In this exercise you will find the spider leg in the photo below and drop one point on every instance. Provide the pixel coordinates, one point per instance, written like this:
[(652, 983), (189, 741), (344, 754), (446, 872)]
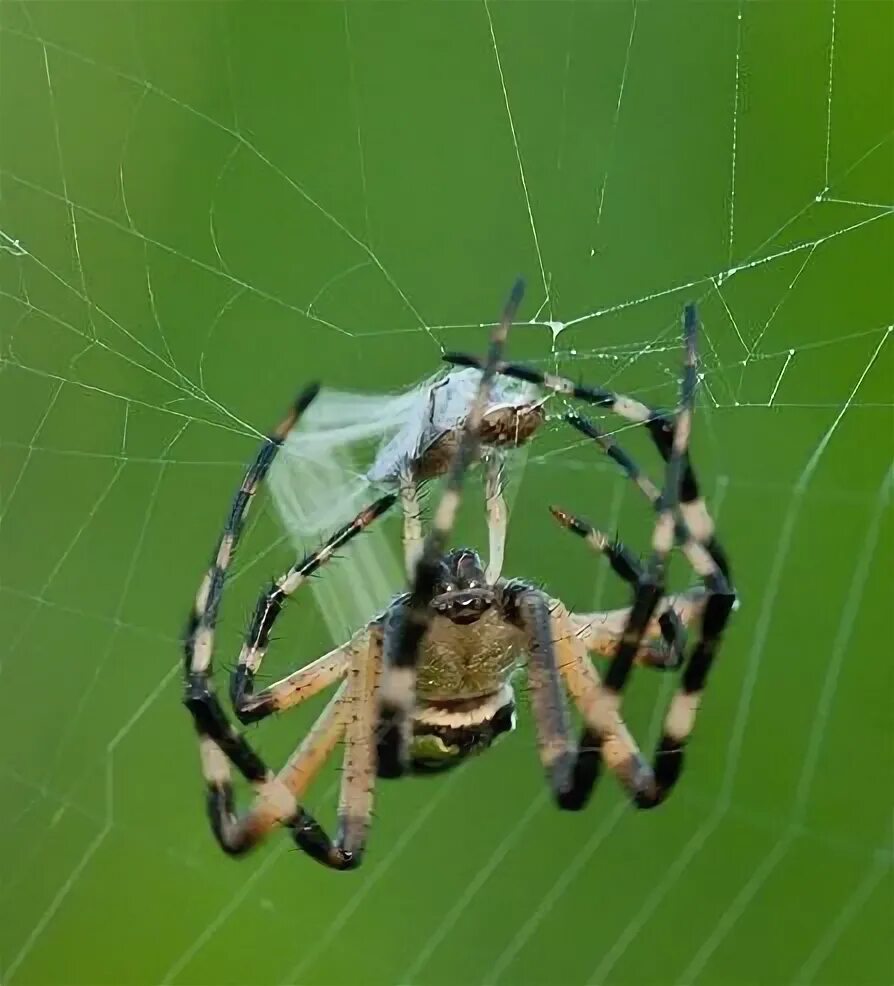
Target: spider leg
[(358, 777), (627, 407), (345, 716), (497, 512), (278, 802), (696, 529), (220, 744), (555, 743), (649, 579), (600, 632), (411, 509), (401, 645), (649, 587), (294, 689), (557, 656), (357, 718), (629, 568), (309, 680), (616, 748), (682, 519)]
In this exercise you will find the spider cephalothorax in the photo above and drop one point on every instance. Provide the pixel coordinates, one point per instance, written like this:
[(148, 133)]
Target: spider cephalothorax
[(462, 593), (428, 682)]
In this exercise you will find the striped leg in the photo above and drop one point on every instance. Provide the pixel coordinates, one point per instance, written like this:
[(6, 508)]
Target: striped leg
[(627, 407), (650, 580), (357, 714), (617, 748), (695, 534), (280, 802), (306, 682), (497, 513), (682, 519), (554, 740), (348, 715), (220, 743), (600, 632), (628, 567), (402, 640), (649, 587), (411, 508), (345, 716), (556, 657)]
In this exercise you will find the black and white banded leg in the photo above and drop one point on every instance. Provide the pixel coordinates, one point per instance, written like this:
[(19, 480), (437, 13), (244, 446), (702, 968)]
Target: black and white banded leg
[(220, 743), (629, 568), (660, 425), (404, 634), (682, 520), (250, 707), (677, 506)]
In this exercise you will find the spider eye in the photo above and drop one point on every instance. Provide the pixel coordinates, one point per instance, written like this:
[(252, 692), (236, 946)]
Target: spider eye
[(449, 587), (474, 585)]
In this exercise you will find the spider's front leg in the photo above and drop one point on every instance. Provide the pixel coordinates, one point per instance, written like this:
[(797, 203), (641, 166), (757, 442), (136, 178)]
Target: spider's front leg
[(404, 636)]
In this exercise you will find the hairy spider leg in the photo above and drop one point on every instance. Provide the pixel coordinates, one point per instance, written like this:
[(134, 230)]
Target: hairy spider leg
[(555, 743), (628, 407), (309, 680), (352, 715), (403, 637), (628, 567), (695, 536), (556, 654), (649, 587), (359, 768), (682, 519), (617, 749), (660, 426), (220, 743), (497, 512), (411, 508)]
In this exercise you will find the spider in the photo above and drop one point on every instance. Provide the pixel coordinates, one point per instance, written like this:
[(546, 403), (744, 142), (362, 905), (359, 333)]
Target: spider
[(427, 683)]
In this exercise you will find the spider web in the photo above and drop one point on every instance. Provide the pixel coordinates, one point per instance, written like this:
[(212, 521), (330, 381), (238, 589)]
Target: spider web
[(179, 251)]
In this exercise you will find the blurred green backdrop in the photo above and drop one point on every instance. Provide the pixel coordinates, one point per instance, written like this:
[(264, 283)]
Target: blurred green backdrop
[(203, 205)]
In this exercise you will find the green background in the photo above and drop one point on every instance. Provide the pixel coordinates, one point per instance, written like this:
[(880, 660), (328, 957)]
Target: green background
[(204, 205)]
